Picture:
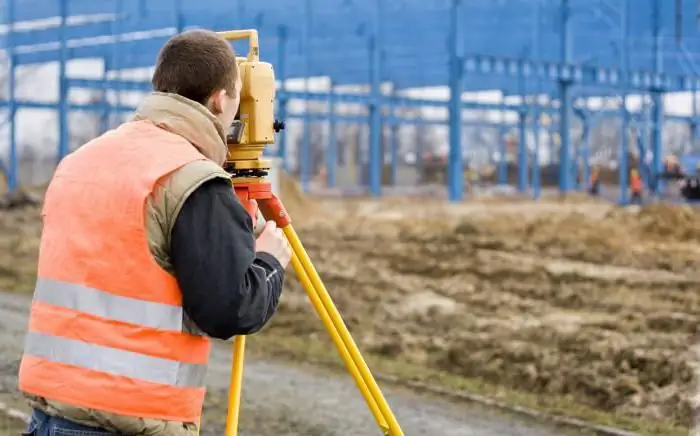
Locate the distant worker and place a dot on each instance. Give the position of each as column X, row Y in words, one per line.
column 636, row 186
column 146, row 253
column 670, row 164
column 594, row 183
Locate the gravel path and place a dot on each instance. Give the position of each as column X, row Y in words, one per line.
column 283, row 400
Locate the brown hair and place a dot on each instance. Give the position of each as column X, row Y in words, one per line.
column 195, row 64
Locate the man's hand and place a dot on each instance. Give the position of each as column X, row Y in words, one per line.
column 273, row 241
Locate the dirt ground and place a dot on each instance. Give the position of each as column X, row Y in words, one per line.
column 572, row 298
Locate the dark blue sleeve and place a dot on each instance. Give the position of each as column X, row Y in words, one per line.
column 228, row 289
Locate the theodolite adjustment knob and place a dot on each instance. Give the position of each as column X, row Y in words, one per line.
column 278, row 125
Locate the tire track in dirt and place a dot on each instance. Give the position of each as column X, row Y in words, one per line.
column 283, row 400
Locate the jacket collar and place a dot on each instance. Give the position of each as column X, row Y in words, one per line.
column 188, row 119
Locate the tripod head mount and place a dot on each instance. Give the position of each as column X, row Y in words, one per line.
column 255, row 126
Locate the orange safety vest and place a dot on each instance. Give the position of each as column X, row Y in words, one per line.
column 106, row 326
column 636, row 184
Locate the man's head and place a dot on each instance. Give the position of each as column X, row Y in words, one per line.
column 201, row 66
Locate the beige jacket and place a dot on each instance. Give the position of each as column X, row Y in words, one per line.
column 196, row 124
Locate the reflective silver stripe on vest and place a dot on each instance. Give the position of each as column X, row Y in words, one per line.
column 114, row 361
column 105, row 305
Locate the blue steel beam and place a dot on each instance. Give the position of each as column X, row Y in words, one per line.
column 597, row 25
column 442, row 80
column 407, row 80
column 358, row 98
column 488, row 19
column 358, row 119
column 263, row 18
column 349, row 67
column 581, row 74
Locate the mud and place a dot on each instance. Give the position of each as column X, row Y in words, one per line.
column 20, row 229
column 10, row 428
column 564, row 297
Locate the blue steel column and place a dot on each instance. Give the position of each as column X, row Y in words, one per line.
column 104, row 118
column 694, row 122
column 642, row 145
column 502, row 161
column 658, row 105
column 282, row 101
column 64, row 140
column 536, row 43
column 624, row 113
column 565, row 101
column 12, row 170
column 332, row 150
column 117, row 30
column 586, row 152
column 522, row 151
column 536, row 185
column 522, row 128
column 394, row 141
column 179, row 16
column 376, row 156
column 305, row 152
column 455, row 169
column 657, row 140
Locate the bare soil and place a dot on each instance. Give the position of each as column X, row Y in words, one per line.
column 568, row 298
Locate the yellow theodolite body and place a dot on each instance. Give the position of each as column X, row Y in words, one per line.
column 257, row 109
column 255, row 124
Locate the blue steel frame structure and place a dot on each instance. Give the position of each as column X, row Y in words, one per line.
column 566, row 50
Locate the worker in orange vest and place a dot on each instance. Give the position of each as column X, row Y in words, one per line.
column 594, row 183
column 145, row 254
column 635, row 187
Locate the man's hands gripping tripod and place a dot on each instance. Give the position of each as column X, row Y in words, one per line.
column 272, row 241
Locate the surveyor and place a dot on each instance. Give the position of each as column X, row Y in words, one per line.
column 636, row 186
column 594, row 182
column 145, row 254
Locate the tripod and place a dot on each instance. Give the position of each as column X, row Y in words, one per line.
column 255, row 192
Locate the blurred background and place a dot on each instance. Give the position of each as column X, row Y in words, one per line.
column 461, row 170
column 518, row 94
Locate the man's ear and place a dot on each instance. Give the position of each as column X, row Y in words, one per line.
column 217, row 101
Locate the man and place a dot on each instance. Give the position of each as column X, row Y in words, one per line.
column 594, row 182
column 635, row 187
column 145, row 254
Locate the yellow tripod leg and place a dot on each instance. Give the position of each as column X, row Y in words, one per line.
column 239, row 350
column 338, row 341
column 336, row 327
column 234, row 392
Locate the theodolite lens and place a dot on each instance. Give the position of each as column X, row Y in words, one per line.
column 235, row 132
